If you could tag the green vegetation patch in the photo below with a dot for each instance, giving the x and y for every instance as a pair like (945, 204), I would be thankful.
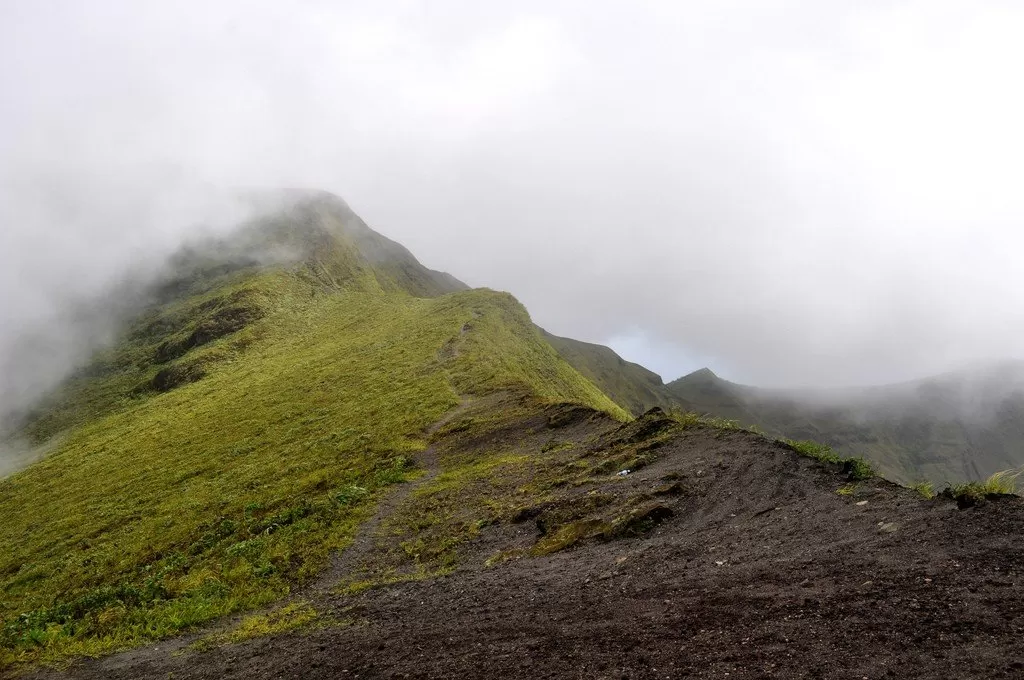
(287, 618)
(125, 374)
(924, 489)
(972, 493)
(638, 520)
(857, 468)
(568, 535)
(502, 349)
(158, 511)
(452, 509)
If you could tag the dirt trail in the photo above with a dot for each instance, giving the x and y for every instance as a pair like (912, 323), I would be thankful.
(348, 561)
(760, 570)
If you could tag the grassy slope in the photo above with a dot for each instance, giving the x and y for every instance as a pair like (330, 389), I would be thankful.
(632, 386)
(158, 510)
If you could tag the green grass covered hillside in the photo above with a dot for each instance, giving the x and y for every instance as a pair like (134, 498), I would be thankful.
(238, 434)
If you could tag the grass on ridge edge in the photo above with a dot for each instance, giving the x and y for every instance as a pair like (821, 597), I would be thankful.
(856, 467)
(1003, 482)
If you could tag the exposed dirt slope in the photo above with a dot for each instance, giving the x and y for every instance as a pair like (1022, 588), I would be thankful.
(724, 555)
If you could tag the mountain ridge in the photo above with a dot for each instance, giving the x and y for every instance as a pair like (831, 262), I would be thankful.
(243, 427)
(959, 425)
(629, 384)
(249, 425)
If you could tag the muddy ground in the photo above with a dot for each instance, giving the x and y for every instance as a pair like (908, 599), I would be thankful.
(746, 563)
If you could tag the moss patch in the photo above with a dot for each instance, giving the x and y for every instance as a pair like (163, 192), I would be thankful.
(288, 618)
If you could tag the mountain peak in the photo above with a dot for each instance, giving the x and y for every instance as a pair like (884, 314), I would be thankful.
(700, 375)
(314, 230)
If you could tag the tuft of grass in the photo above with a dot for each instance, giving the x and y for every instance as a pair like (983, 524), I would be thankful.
(362, 585)
(691, 419)
(1004, 482)
(815, 450)
(925, 489)
(637, 521)
(1000, 483)
(857, 468)
(554, 446)
(722, 423)
(569, 535)
(290, 617)
(846, 489)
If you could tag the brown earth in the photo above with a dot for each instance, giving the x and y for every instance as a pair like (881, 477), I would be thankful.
(725, 555)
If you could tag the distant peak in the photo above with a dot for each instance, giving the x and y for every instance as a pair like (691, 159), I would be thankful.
(701, 374)
(271, 200)
(704, 376)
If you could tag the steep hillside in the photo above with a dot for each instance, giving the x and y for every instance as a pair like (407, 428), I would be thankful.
(949, 428)
(307, 437)
(710, 394)
(630, 385)
(244, 426)
(722, 555)
(212, 289)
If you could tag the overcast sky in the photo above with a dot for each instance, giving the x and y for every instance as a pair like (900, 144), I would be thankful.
(792, 193)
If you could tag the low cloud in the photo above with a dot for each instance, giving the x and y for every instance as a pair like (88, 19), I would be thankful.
(797, 193)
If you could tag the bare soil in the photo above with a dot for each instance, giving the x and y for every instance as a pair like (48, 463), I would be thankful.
(727, 556)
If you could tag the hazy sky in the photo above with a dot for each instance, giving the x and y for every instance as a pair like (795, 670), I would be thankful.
(789, 192)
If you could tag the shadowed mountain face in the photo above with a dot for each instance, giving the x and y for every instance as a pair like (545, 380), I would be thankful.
(630, 385)
(957, 426)
(945, 429)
